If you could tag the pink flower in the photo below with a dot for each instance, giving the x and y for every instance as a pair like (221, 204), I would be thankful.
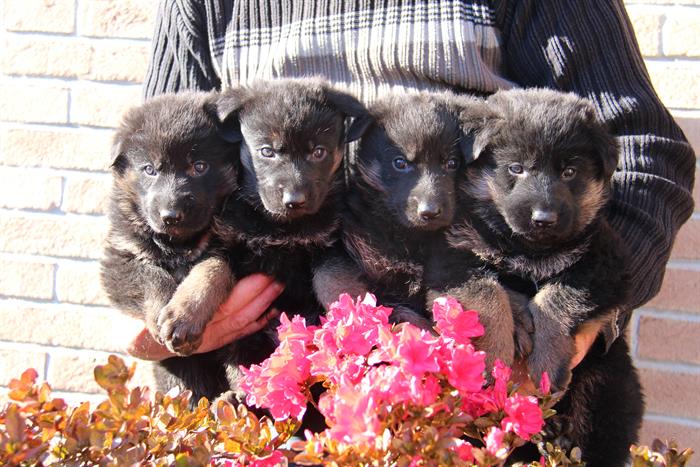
(463, 449)
(355, 324)
(387, 345)
(465, 370)
(494, 442)
(274, 459)
(524, 416)
(353, 413)
(295, 329)
(416, 352)
(454, 322)
(424, 391)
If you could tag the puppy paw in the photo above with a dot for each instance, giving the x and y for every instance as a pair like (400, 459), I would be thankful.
(179, 329)
(559, 430)
(230, 396)
(556, 367)
(402, 314)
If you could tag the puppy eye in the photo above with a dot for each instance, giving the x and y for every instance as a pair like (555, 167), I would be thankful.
(400, 163)
(568, 173)
(150, 170)
(516, 169)
(200, 167)
(452, 164)
(267, 151)
(319, 153)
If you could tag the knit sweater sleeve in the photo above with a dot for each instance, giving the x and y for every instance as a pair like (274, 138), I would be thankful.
(180, 55)
(590, 48)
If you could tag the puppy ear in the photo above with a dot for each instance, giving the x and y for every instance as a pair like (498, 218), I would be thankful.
(607, 148)
(228, 106)
(358, 127)
(119, 160)
(349, 106)
(608, 154)
(479, 123)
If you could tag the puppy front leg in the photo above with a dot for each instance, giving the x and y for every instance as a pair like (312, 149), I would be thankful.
(335, 275)
(489, 298)
(556, 310)
(182, 321)
(158, 287)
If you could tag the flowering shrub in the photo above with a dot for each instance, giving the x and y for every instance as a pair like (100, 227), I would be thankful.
(395, 395)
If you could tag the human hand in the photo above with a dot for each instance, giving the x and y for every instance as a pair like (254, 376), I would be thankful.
(240, 315)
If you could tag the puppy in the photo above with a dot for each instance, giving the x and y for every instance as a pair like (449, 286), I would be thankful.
(402, 197)
(285, 210)
(534, 197)
(172, 171)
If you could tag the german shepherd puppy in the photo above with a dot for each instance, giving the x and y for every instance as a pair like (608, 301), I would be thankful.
(402, 197)
(285, 210)
(172, 170)
(534, 199)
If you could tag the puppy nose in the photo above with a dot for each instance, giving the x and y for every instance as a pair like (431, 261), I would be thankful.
(294, 199)
(542, 218)
(429, 211)
(170, 216)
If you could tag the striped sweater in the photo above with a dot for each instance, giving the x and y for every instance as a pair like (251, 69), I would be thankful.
(475, 46)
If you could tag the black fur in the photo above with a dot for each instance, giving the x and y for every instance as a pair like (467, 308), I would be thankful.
(534, 200)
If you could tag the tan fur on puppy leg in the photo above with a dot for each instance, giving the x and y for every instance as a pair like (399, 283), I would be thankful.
(182, 321)
(490, 299)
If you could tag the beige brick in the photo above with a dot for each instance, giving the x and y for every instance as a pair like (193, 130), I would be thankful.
(80, 283)
(668, 339)
(670, 77)
(119, 62)
(679, 291)
(687, 245)
(40, 15)
(680, 32)
(86, 195)
(66, 326)
(75, 372)
(690, 124)
(29, 189)
(647, 27)
(685, 436)
(27, 279)
(45, 56)
(102, 104)
(670, 393)
(13, 362)
(63, 236)
(30, 103)
(117, 18)
(72, 149)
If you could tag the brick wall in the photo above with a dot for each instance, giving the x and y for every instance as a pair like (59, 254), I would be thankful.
(68, 69)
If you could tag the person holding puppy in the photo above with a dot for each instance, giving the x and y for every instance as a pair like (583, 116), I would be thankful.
(482, 46)
(476, 47)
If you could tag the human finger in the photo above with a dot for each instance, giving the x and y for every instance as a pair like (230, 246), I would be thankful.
(583, 340)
